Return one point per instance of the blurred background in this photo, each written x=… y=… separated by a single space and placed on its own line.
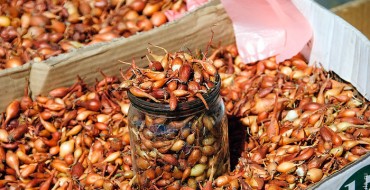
x=355 y=12
x=332 y=3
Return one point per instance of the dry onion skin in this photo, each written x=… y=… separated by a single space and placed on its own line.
x=37 y=30
x=301 y=123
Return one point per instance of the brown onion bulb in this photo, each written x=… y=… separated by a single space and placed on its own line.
x=314 y=174
x=4 y=21
x=144 y=24
x=58 y=26
x=38 y=20
x=150 y=9
x=158 y=18
x=137 y=5
x=13 y=62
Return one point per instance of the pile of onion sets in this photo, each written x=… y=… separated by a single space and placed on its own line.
x=38 y=30
x=302 y=124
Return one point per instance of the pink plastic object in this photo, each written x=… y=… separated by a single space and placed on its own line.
x=190 y=5
x=265 y=28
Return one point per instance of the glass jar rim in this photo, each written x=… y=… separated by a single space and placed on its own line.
x=192 y=107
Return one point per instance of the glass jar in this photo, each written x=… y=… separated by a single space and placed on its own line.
x=184 y=147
